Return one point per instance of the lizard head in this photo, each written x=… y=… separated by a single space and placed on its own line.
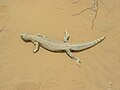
x=26 y=37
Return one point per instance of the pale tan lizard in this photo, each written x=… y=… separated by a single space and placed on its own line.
x=57 y=46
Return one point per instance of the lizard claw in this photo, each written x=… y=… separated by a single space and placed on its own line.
x=78 y=62
x=35 y=50
x=66 y=33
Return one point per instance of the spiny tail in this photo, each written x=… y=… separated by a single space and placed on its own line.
x=83 y=46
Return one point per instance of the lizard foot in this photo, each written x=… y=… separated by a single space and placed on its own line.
x=78 y=61
x=66 y=37
x=67 y=34
x=36 y=48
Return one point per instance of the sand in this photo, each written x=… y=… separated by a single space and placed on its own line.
x=21 y=69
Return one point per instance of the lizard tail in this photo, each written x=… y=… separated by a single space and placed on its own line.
x=83 y=46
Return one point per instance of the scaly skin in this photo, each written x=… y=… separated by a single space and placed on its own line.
x=57 y=46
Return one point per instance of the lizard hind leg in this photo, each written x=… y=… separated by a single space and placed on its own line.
x=70 y=54
x=36 y=48
x=66 y=37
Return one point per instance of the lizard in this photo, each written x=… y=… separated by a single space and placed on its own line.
x=58 y=46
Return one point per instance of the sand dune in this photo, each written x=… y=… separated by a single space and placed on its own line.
x=85 y=20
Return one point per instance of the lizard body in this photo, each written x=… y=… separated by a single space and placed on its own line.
x=57 y=46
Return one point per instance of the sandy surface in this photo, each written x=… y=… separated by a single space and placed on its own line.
x=20 y=69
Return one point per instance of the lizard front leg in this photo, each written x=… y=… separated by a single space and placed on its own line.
x=66 y=37
x=70 y=54
x=36 y=48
